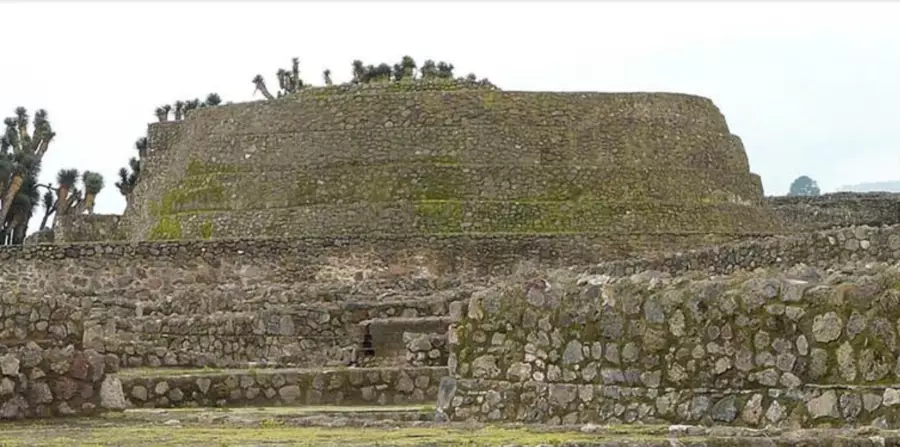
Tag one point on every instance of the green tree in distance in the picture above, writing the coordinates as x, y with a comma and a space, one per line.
804, 186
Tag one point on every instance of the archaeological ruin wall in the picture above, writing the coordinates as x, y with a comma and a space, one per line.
824, 249
299, 302
262, 387
781, 348
467, 162
836, 210
44, 371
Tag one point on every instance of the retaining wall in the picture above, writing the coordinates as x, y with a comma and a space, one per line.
436, 160
836, 210
768, 348
38, 382
298, 336
276, 387
44, 371
828, 248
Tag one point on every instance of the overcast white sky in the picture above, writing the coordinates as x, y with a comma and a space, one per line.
812, 88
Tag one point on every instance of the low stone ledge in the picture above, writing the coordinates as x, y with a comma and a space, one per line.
564, 403
284, 387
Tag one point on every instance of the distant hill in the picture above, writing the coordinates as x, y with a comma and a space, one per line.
893, 186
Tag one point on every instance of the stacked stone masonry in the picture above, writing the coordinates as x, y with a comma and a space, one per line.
303, 222
217, 303
823, 248
424, 349
38, 382
286, 336
277, 387
459, 161
43, 370
798, 348
801, 214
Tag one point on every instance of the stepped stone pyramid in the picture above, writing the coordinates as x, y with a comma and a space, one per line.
451, 160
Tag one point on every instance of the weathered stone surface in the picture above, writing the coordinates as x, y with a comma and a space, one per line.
444, 150
823, 406
9, 365
826, 327
38, 382
276, 387
111, 395
731, 363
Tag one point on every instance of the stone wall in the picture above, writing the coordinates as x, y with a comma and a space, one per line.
447, 161
38, 382
87, 228
836, 210
298, 335
34, 318
275, 387
426, 349
234, 269
44, 371
798, 348
825, 249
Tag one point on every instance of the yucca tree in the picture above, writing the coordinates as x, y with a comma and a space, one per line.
359, 71
93, 184
66, 178
179, 110
429, 69
128, 178
20, 195
48, 202
283, 80
141, 144
22, 152
162, 113
22, 209
260, 84
191, 105
213, 99
405, 69
444, 70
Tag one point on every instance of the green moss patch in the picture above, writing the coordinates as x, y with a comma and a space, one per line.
167, 228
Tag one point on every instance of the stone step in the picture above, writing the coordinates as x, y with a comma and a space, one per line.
179, 388
309, 415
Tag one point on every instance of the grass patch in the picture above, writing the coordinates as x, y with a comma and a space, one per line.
269, 433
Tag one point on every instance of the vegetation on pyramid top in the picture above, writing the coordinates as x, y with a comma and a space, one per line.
405, 75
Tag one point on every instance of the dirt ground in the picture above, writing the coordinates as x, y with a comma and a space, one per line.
385, 426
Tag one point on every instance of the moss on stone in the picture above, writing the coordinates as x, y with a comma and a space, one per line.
206, 229
440, 216
211, 196
489, 98
196, 168
167, 228
546, 138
